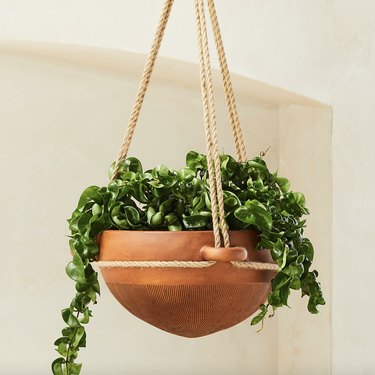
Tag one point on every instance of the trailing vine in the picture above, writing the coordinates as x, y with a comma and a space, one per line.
166, 199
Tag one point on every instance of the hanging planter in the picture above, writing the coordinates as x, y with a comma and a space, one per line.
180, 283
191, 251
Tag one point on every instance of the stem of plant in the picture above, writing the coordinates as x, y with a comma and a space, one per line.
67, 352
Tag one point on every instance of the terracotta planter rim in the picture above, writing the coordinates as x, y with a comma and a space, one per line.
177, 231
132, 245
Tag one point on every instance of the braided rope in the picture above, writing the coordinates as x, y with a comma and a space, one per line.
146, 76
207, 128
211, 124
229, 93
260, 266
184, 264
154, 264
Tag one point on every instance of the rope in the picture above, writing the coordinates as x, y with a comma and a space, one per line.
258, 266
145, 80
209, 115
210, 122
219, 189
154, 264
229, 93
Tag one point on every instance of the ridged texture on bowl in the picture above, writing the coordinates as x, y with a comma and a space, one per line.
189, 302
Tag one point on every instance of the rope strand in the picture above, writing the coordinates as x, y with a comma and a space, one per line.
229, 93
214, 154
145, 80
259, 266
208, 135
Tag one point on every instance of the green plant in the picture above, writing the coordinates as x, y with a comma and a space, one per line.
165, 199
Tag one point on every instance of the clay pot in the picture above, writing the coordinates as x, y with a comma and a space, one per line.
189, 302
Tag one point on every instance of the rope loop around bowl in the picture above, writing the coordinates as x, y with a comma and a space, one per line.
258, 266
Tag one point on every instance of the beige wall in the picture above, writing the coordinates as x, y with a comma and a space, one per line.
64, 123
321, 49
71, 132
305, 157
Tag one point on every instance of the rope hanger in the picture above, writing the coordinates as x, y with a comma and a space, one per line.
220, 227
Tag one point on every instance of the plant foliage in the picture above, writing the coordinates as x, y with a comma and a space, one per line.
165, 199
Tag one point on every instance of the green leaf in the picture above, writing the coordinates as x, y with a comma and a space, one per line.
228, 166
63, 339
57, 366
307, 249
166, 206
71, 356
91, 294
207, 200
70, 319
84, 319
76, 270
160, 171
280, 280
62, 349
299, 199
284, 258
132, 216
81, 287
258, 164
156, 184
79, 334
141, 192
83, 222
118, 217
74, 368
283, 183
294, 270
254, 213
231, 201
295, 283
196, 161
260, 316
150, 213
173, 222
311, 306
300, 259
90, 194
186, 174
284, 294
96, 209
96, 287
68, 332
90, 245
194, 222
274, 298
133, 165
157, 219
198, 203
277, 249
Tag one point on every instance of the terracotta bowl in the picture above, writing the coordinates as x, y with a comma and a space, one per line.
189, 302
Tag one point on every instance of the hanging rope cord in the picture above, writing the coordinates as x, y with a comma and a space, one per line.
143, 85
228, 89
213, 159
220, 227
